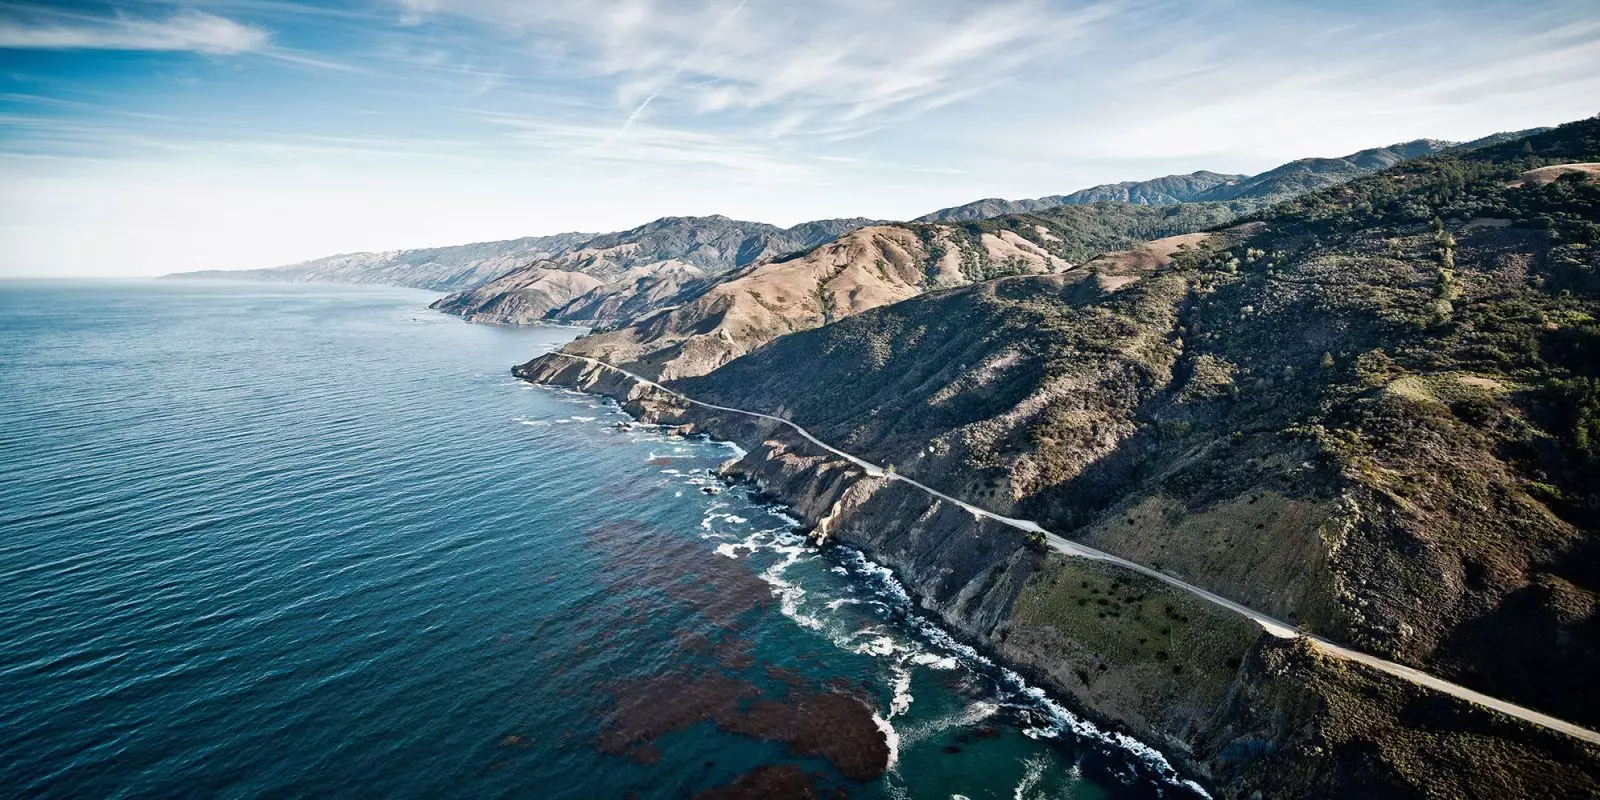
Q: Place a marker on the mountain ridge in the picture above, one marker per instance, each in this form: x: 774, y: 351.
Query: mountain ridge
x: 1304, y: 174
x: 870, y: 267
x: 714, y: 243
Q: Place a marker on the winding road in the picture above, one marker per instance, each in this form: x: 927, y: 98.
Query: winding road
x: 1270, y: 624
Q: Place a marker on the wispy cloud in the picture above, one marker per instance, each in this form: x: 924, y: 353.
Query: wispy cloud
x: 844, y: 61
x: 651, y: 146
x: 195, y: 31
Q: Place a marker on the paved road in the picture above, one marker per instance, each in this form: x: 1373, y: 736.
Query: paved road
x: 1271, y: 625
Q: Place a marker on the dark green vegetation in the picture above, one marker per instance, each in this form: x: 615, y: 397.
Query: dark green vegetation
x: 1372, y: 411
x: 1078, y: 233
x: 1158, y: 191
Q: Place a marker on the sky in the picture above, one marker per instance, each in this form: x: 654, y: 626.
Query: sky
x: 145, y: 137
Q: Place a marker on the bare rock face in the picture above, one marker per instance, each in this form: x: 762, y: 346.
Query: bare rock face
x: 525, y: 297
x: 634, y: 293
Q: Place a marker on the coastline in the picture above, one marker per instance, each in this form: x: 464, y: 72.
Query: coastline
x: 1243, y: 712
x: 823, y: 530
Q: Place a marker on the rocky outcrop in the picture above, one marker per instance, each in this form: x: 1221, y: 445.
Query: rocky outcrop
x: 634, y: 293
x: 524, y: 297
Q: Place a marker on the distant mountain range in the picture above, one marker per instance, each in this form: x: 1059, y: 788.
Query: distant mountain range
x: 713, y: 244
x: 1295, y: 177
x: 435, y: 268
x: 673, y: 259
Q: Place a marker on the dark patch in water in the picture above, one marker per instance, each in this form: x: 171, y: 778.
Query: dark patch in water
x: 645, y: 709
x: 642, y: 560
x: 835, y: 727
x: 774, y: 782
x: 640, y: 556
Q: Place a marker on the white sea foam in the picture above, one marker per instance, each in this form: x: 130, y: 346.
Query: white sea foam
x: 891, y: 737
x: 967, y: 717
x: 934, y: 661
x: 1033, y: 772
x: 790, y: 595
x: 938, y: 649
x: 902, y: 692
x: 879, y: 646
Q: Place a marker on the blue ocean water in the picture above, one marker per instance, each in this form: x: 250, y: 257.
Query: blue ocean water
x: 293, y: 541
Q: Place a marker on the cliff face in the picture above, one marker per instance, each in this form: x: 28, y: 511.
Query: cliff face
x: 1246, y: 714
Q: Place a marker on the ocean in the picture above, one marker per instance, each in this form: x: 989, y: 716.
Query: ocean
x: 311, y: 541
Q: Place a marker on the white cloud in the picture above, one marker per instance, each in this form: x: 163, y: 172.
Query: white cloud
x: 187, y: 30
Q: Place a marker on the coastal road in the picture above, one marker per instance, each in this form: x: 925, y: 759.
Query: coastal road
x: 1271, y: 625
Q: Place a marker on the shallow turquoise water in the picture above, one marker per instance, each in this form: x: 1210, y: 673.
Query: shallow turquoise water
x: 310, y: 541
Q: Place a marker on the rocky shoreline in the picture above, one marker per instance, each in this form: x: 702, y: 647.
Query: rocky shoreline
x: 1244, y: 713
